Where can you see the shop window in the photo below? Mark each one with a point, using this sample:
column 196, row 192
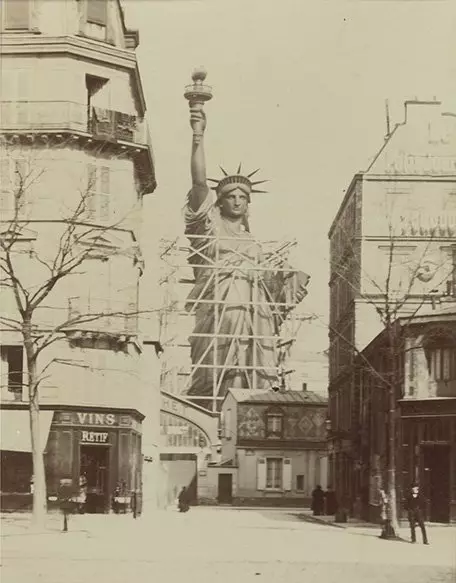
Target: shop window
column 274, row 424
column 16, row 472
column 12, row 368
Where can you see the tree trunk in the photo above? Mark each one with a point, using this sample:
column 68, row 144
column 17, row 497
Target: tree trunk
column 391, row 473
column 392, row 506
column 39, row 477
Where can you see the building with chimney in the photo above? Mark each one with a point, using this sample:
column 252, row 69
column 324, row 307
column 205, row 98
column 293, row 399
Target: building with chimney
column 76, row 163
column 392, row 260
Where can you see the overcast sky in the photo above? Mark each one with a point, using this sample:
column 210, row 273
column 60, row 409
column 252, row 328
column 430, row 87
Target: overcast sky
column 299, row 91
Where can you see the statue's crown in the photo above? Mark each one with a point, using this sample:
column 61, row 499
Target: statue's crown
column 237, row 179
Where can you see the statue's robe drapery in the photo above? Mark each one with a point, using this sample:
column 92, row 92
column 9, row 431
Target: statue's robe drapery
column 241, row 303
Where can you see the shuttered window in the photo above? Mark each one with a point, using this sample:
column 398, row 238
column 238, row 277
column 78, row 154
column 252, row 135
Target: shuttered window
column 98, row 193
column 13, row 184
column 97, row 12
column 261, row 474
column 17, row 14
column 286, row 482
column 274, row 473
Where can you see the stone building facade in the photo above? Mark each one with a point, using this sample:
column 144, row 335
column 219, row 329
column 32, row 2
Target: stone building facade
column 425, row 411
column 76, row 151
column 391, row 250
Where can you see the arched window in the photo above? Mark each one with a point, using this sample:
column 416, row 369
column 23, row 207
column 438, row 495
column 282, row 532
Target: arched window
column 274, row 423
column 440, row 350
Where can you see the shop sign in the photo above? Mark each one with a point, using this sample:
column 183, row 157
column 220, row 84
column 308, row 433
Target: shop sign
column 83, row 418
column 94, row 437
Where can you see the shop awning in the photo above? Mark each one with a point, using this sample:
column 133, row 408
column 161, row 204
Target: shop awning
column 15, row 429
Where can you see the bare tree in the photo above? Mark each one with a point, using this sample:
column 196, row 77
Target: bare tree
column 396, row 291
column 76, row 238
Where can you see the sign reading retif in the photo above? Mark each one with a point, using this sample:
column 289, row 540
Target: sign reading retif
column 94, row 437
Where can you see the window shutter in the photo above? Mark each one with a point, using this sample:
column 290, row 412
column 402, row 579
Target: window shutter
column 97, row 12
column 131, row 319
column 287, row 473
column 261, row 473
column 90, row 195
column 5, row 185
column 104, row 193
column 17, row 14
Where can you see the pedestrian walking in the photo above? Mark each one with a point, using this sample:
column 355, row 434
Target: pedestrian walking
column 415, row 504
column 318, row 501
column 183, row 500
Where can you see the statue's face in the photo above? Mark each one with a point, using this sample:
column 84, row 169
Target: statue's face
column 234, row 204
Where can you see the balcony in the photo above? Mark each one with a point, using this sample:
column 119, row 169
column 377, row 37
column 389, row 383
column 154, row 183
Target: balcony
column 69, row 116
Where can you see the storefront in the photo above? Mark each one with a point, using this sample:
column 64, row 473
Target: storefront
column 98, row 447
column 103, row 446
column 428, row 454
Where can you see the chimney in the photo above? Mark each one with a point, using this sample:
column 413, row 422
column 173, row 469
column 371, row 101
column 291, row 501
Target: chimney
column 304, row 386
column 423, row 112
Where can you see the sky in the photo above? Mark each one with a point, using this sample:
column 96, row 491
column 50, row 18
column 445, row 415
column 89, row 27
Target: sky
column 299, row 91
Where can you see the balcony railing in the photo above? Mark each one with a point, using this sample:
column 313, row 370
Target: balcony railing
column 52, row 116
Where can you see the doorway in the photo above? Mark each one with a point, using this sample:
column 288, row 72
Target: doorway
column 225, row 489
column 436, row 481
column 94, row 466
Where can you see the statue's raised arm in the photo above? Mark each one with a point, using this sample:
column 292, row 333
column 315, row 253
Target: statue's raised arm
column 198, row 161
column 197, row 94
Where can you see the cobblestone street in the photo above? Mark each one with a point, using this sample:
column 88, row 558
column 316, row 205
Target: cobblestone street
column 208, row 545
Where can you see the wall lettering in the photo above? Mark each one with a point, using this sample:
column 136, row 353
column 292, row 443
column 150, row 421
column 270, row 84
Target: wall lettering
column 84, row 418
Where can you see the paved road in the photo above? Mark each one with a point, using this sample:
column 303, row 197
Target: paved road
column 215, row 545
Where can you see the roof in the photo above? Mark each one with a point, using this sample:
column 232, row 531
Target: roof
column 257, row 396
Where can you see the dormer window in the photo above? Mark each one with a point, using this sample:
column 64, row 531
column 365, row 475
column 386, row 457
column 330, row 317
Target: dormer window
column 97, row 12
column 16, row 14
column 94, row 19
column 274, row 424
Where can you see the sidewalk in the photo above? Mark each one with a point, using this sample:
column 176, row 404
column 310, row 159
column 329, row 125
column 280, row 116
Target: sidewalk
column 357, row 523
column 437, row 533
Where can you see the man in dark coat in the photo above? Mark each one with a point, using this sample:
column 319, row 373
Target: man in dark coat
column 318, row 501
column 415, row 504
column 183, row 500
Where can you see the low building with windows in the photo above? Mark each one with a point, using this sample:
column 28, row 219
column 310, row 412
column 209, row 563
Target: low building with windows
column 272, row 451
column 425, row 412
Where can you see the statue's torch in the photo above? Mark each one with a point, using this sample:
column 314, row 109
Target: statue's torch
column 198, row 93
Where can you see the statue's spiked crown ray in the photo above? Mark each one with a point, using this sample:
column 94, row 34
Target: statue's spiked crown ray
column 237, row 180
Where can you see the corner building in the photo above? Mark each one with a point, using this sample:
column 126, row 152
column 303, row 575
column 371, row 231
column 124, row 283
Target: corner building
column 394, row 237
column 73, row 119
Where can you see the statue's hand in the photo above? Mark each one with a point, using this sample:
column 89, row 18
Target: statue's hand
column 197, row 120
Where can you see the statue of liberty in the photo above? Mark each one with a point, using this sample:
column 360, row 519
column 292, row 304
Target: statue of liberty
column 239, row 296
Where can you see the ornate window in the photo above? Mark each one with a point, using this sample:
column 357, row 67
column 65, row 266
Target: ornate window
column 274, row 423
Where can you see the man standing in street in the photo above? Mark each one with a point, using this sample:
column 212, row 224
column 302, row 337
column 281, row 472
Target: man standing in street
column 415, row 505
